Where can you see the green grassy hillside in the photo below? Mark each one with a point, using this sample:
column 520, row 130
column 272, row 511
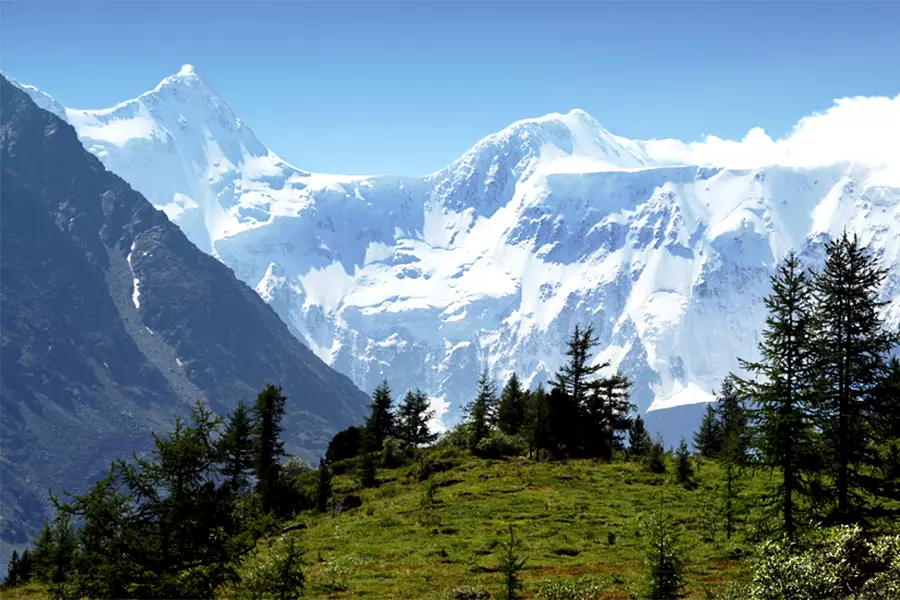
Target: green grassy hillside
column 575, row 519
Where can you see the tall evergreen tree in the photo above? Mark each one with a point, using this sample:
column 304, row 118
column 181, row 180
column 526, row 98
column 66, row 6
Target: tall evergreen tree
column 413, row 416
column 25, row 567
column 381, row 423
column 708, row 438
column 853, row 349
column 639, row 442
column 236, row 449
column 323, row 487
column 683, row 467
column 731, row 417
column 482, row 410
column 665, row 576
column 511, row 414
column 607, row 416
column 12, row 571
column 536, row 425
column 268, row 447
column 782, row 392
column 347, row 443
column 575, row 377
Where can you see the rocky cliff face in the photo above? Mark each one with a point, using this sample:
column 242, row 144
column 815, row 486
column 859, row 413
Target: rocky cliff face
column 113, row 323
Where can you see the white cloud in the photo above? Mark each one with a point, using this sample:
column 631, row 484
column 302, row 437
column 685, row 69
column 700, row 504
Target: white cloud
column 861, row 129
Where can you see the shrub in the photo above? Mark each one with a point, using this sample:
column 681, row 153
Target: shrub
column 834, row 564
column 498, row 444
column 273, row 569
column 569, row 589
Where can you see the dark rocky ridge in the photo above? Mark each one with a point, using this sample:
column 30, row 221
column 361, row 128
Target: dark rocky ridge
column 85, row 375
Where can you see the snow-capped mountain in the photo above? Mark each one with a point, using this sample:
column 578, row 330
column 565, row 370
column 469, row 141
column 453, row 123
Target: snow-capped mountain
column 492, row 261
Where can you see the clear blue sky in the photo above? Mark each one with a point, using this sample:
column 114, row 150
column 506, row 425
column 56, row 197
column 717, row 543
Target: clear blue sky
column 407, row 87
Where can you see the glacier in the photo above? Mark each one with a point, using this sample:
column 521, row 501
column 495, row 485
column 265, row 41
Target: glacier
column 665, row 248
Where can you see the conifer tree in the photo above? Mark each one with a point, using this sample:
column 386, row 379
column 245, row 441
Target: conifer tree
column 25, row 567
column 684, row 469
column 782, row 392
column 731, row 416
column 43, row 550
column 511, row 413
column 345, row 444
column 665, row 578
column 607, row 410
column 268, row 447
column 535, row 427
column 639, row 442
column 708, row 438
column 481, row 409
column 413, row 416
column 12, row 571
column 323, row 487
column 656, row 458
column 511, row 563
column 380, row 424
column 853, row 345
column 236, row 449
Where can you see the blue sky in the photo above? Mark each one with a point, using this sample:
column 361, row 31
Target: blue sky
column 407, row 87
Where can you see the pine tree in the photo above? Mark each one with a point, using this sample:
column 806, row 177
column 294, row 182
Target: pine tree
column 511, row 414
column 708, row 438
column 511, row 563
column 236, row 449
column 782, row 392
column 571, row 384
column 684, row 469
column 368, row 471
column 731, row 416
column 25, row 568
column 665, row 579
column 537, row 415
column 607, row 410
column 12, row 571
column 345, row 444
column 413, row 416
column 43, row 550
column 268, row 447
column 639, row 442
column 323, row 487
column 853, row 345
column 480, row 410
column 380, row 424
column 656, row 458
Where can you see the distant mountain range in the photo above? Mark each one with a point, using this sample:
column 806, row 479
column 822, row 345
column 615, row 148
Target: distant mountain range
column 492, row 261
column 113, row 323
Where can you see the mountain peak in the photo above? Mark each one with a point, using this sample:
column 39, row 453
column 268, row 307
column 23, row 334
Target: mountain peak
column 188, row 71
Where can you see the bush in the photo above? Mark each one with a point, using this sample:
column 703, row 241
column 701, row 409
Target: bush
column 834, row 564
column 498, row 444
column 656, row 459
column 273, row 569
column 467, row 593
column 396, row 453
column 569, row 589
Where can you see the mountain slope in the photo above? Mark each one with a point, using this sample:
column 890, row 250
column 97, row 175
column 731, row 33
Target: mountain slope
column 113, row 323
column 492, row 261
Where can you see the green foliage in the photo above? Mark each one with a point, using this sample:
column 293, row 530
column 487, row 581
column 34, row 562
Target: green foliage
column 536, row 428
column 324, row 488
column 381, row 423
column 665, row 579
column 853, row 345
column 656, row 458
column 783, row 391
column 236, row 449
column 413, row 416
column 840, row 563
column 511, row 564
column 708, row 438
column 368, row 471
column 273, row 570
column 345, row 444
column 12, row 571
column 511, row 413
column 268, row 445
column 481, row 412
column 639, row 442
column 559, row 588
column 683, row 467
column 498, row 444
column 606, row 411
